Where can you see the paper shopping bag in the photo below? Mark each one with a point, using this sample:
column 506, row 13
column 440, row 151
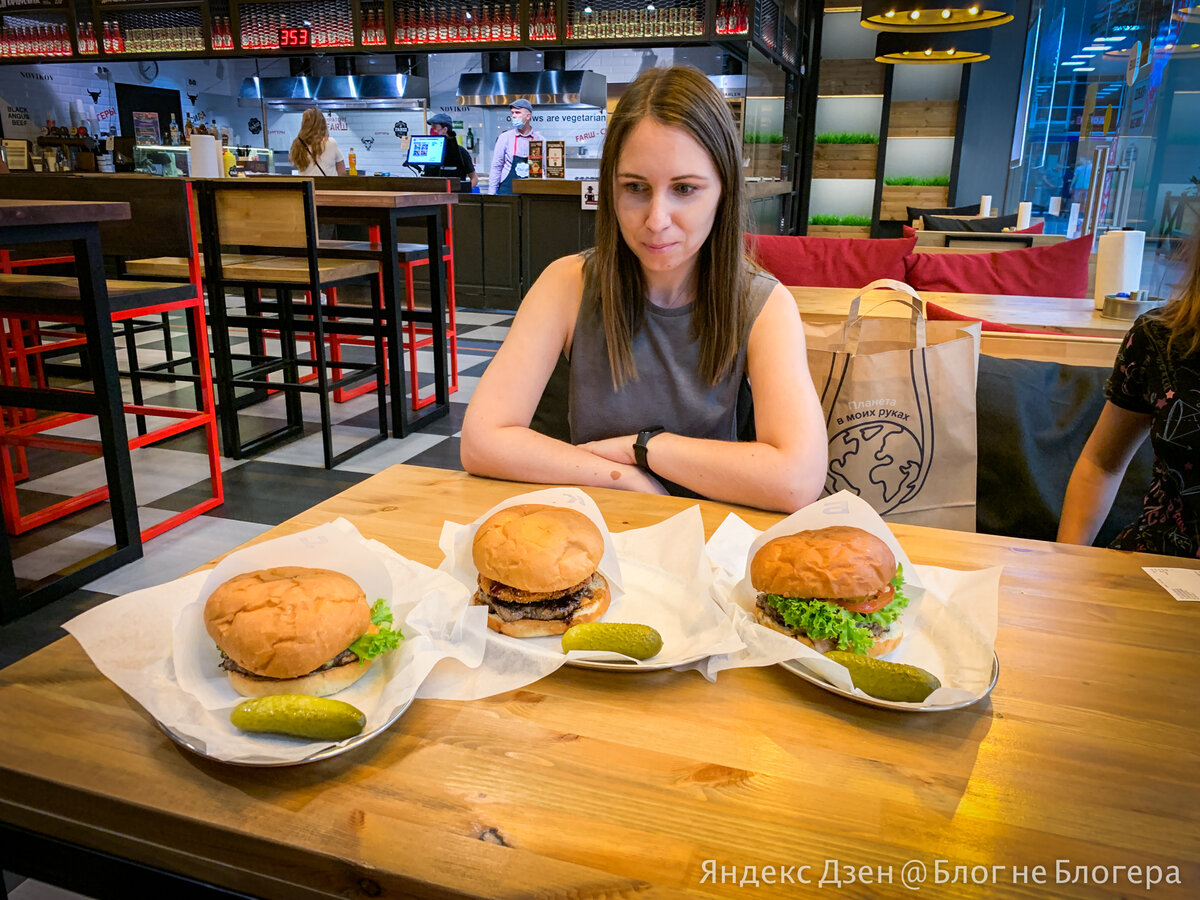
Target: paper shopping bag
column 899, row 401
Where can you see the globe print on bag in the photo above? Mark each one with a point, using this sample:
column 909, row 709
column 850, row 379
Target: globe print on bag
column 879, row 461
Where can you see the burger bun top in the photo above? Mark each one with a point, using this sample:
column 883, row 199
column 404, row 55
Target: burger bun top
column 838, row 562
column 286, row 621
column 533, row 547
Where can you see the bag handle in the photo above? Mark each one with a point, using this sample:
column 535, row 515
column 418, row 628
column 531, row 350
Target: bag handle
column 853, row 326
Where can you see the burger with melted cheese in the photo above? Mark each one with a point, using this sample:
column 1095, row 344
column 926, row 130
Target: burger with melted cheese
column 836, row 588
column 296, row 630
column 537, row 570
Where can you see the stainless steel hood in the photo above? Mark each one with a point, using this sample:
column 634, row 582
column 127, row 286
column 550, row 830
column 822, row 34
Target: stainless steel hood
column 338, row 91
column 553, row 88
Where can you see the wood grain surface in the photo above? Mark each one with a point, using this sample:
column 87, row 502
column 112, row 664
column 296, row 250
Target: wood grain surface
column 1069, row 315
column 845, row 160
column 851, row 77
column 922, row 118
column 897, row 198
column 383, row 199
column 596, row 784
column 58, row 212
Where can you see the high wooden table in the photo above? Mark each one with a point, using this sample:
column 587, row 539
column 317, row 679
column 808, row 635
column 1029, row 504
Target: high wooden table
column 600, row 784
column 77, row 223
column 1068, row 315
column 384, row 210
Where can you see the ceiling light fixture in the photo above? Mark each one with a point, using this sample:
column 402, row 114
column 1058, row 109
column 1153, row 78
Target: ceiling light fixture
column 933, row 47
column 934, row 15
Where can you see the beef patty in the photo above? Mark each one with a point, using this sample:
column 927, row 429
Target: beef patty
column 500, row 599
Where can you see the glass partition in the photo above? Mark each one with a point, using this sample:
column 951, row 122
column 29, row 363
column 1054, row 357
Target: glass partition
column 1108, row 129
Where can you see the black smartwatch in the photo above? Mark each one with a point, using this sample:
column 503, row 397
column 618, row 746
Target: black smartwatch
column 639, row 446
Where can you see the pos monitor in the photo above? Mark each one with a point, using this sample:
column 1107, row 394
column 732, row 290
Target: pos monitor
column 426, row 150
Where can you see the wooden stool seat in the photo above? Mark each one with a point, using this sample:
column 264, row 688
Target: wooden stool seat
column 177, row 266
column 30, row 293
column 294, row 270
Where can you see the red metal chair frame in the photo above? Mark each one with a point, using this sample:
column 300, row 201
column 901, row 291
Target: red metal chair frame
column 30, row 433
column 411, row 329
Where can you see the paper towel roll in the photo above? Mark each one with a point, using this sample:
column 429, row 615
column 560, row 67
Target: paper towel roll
column 1024, row 211
column 1055, row 206
column 1073, row 221
column 205, row 158
column 985, row 205
column 1118, row 263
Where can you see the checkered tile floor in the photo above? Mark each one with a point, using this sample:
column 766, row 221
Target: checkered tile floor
column 259, row 493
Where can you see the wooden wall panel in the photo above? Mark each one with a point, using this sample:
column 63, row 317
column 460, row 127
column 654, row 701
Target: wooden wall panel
column 845, row 160
column 840, row 77
column 896, row 199
column 923, row 118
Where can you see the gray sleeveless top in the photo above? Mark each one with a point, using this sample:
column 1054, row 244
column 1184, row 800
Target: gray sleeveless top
column 669, row 390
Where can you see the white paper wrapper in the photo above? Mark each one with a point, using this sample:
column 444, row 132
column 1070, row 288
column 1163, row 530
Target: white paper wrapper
column 153, row 645
column 657, row 576
column 949, row 625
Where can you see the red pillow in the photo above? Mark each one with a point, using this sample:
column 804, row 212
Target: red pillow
column 1039, row 228
column 908, row 231
column 830, row 262
column 1056, row 270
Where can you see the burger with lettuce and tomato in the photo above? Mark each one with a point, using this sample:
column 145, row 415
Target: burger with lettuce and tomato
column 836, row 588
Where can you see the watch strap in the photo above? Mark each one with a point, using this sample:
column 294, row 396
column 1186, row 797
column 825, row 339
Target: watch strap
column 640, row 445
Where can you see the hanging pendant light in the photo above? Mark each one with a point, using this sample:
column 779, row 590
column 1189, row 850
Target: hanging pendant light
column 931, row 47
column 930, row 15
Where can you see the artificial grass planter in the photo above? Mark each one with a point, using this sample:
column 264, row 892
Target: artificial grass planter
column 847, row 137
column 840, row 220
column 914, row 181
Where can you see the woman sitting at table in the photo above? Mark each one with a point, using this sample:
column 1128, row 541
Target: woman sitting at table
column 661, row 322
column 1154, row 389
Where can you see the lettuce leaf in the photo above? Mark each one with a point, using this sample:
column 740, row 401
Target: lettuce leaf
column 821, row 620
column 386, row 638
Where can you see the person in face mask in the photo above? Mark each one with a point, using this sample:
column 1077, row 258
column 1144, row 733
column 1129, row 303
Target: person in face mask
column 510, row 158
column 457, row 164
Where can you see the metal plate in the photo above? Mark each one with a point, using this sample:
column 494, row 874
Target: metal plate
column 326, row 752
column 797, row 668
column 631, row 666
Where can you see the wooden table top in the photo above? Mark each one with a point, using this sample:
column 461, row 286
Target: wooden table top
column 1069, row 315
column 58, row 212
column 598, row 784
column 384, row 199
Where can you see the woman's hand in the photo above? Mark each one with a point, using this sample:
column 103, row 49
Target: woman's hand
column 637, row 480
column 618, row 449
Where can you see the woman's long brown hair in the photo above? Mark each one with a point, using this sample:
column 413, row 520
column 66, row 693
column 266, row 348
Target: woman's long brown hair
column 1182, row 315
column 314, row 132
column 678, row 97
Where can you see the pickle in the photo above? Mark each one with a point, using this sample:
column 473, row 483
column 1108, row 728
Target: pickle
column 298, row 715
column 638, row 641
column 887, row 680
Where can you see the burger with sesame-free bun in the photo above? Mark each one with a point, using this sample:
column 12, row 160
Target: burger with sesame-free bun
column 537, row 570
column 296, row 630
column 836, row 588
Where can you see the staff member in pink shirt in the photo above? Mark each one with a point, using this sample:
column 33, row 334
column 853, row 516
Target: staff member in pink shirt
column 510, row 158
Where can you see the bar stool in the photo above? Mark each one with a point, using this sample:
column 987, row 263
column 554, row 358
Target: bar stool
column 162, row 217
column 279, row 217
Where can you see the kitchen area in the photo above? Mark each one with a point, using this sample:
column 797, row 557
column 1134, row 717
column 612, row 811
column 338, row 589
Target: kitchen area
column 118, row 90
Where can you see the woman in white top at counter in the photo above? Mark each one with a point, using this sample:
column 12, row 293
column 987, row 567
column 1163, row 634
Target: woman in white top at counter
column 313, row 151
column 510, row 158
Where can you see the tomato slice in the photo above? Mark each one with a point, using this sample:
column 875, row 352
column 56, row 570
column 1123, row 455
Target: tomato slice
column 870, row 604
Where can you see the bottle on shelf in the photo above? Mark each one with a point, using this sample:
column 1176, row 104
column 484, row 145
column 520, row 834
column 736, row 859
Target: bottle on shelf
column 470, row 141
column 173, row 129
column 189, row 128
column 352, row 162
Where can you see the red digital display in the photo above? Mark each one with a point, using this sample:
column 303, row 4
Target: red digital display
column 294, row 37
